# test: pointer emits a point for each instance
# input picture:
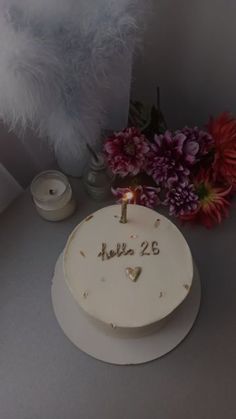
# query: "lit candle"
(52, 195)
(126, 198)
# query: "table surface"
(43, 376)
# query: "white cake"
(128, 277)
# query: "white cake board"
(119, 350)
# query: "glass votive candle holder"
(52, 195)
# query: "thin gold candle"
(127, 197)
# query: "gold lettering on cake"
(144, 247)
(127, 251)
(153, 246)
(103, 253)
(122, 249)
(111, 254)
(155, 249)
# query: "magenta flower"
(168, 160)
(142, 195)
(181, 199)
(147, 196)
(126, 152)
(199, 141)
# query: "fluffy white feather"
(56, 64)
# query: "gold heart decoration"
(133, 273)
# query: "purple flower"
(198, 143)
(147, 196)
(181, 199)
(168, 160)
(126, 152)
(143, 195)
(173, 154)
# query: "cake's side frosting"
(128, 277)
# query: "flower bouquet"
(191, 171)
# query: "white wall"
(23, 159)
(190, 52)
(9, 188)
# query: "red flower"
(126, 152)
(213, 203)
(223, 131)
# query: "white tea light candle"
(52, 195)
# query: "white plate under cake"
(128, 277)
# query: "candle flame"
(128, 196)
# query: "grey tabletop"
(43, 376)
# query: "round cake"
(129, 277)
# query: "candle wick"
(52, 191)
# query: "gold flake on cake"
(186, 287)
(89, 218)
(113, 326)
(82, 254)
(133, 273)
(157, 223)
(85, 294)
(161, 294)
(133, 236)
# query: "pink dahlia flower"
(172, 155)
(126, 152)
(182, 199)
(197, 145)
(167, 162)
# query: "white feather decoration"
(56, 65)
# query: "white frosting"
(102, 287)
